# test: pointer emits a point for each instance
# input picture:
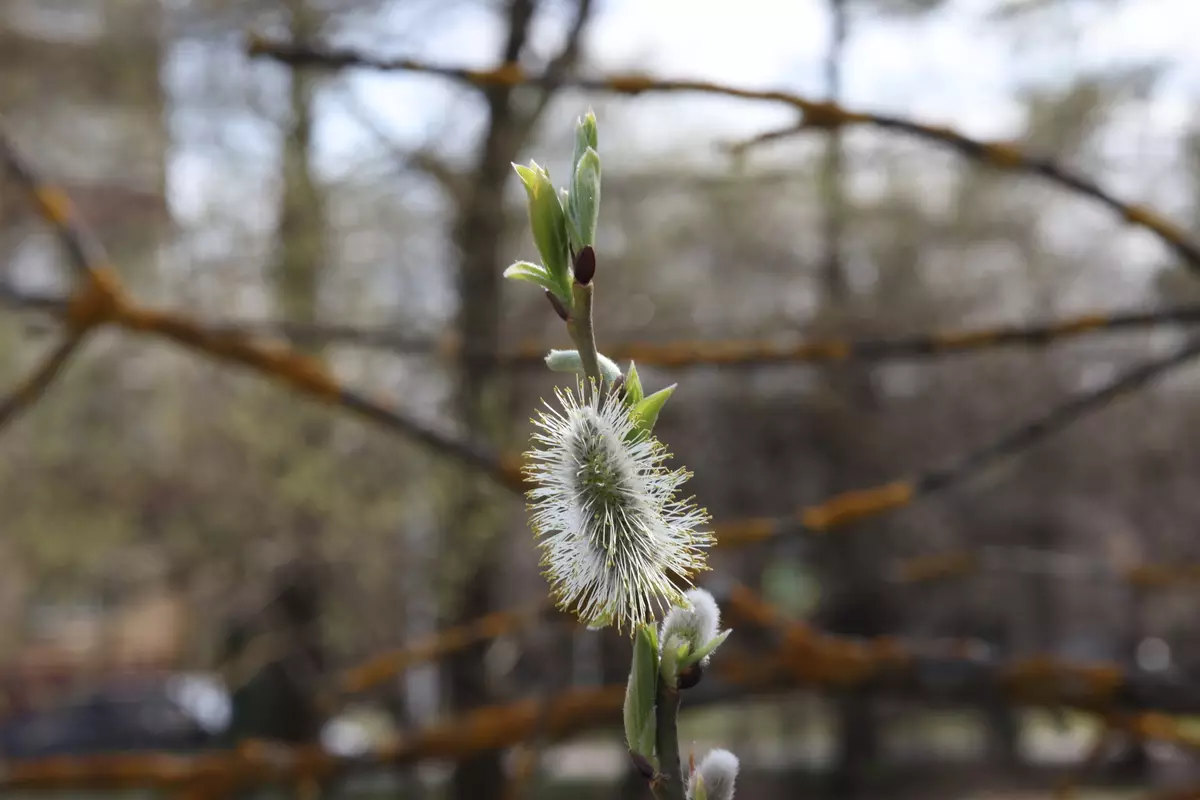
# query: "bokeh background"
(195, 556)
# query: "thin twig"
(32, 388)
(85, 251)
(83, 312)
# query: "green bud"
(583, 202)
(633, 386)
(564, 199)
(645, 412)
(696, 790)
(641, 692)
(549, 225)
(586, 136)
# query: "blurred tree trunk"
(479, 229)
(1000, 717)
(280, 700)
(856, 604)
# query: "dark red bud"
(585, 265)
(691, 676)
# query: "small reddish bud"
(691, 676)
(585, 265)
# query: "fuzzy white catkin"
(603, 507)
(719, 771)
(697, 623)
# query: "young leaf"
(641, 691)
(548, 221)
(533, 273)
(646, 411)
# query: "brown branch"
(103, 301)
(1133, 700)
(815, 115)
(85, 251)
(965, 563)
(684, 354)
(860, 504)
(310, 377)
(84, 311)
(384, 667)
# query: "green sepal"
(705, 651)
(645, 411)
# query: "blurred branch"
(34, 386)
(757, 352)
(951, 672)
(814, 115)
(311, 378)
(84, 311)
(684, 354)
(1132, 700)
(425, 161)
(84, 250)
(103, 301)
(385, 666)
(1030, 561)
(860, 504)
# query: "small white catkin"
(719, 771)
(698, 623)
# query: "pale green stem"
(580, 328)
